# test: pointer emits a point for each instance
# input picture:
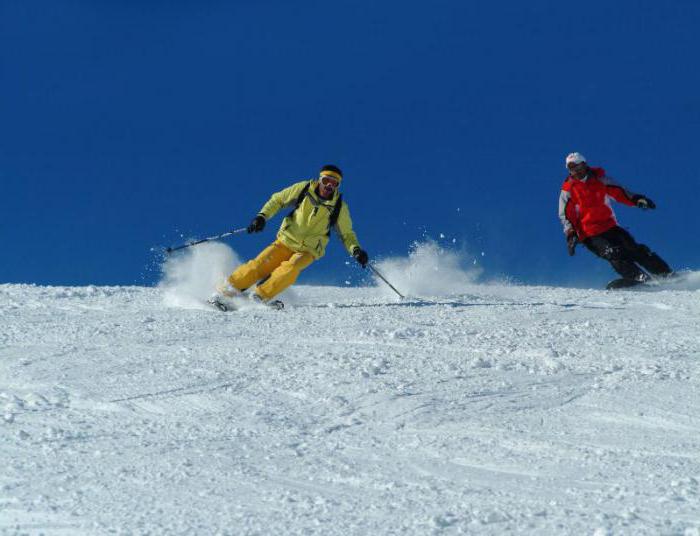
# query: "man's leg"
(641, 254)
(653, 263)
(608, 246)
(284, 276)
(260, 267)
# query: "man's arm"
(568, 215)
(344, 229)
(567, 212)
(619, 193)
(281, 199)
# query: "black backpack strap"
(335, 214)
(300, 199)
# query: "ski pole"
(194, 243)
(380, 276)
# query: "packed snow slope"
(463, 409)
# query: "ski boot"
(273, 304)
(222, 298)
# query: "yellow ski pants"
(277, 261)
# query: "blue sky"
(126, 124)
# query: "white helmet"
(574, 158)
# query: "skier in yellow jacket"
(317, 207)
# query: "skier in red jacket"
(587, 217)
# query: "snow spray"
(683, 280)
(189, 278)
(430, 271)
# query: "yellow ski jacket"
(307, 228)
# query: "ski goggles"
(575, 167)
(329, 182)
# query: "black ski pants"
(624, 254)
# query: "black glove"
(257, 225)
(571, 241)
(644, 202)
(360, 256)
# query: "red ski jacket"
(584, 205)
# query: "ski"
(221, 304)
(274, 304)
(226, 305)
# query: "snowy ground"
(495, 410)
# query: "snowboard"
(624, 283)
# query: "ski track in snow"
(504, 410)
